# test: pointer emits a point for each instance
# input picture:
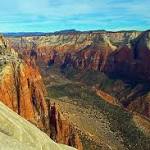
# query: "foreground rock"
(18, 134)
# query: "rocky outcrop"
(132, 60)
(142, 42)
(18, 134)
(60, 129)
(67, 133)
(23, 91)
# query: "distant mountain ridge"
(69, 31)
(18, 34)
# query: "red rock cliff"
(22, 90)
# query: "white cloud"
(74, 13)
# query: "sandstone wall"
(22, 90)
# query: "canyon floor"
(100, 124)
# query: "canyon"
(121, 56)
(101, 75)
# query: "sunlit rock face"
(23, 91)
(18, 134)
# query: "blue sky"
(55, 15)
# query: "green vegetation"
(89, 144)
(95, 77)
(70, 72)
(90, 77)
(120, 120)
(73, 91)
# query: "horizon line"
(74, 30)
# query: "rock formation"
(23, 91)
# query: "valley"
(100, 124)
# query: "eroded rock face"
(71, 42)
(60, 129)
(66, 133)
(22, 90)
(132, 60)
(143, 41)
(94, 56)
